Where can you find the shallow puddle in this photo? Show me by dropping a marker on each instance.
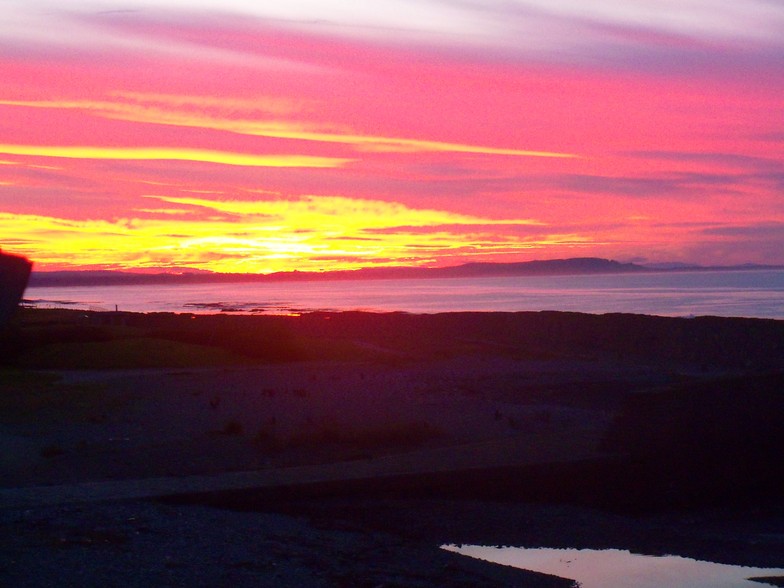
(615, 568)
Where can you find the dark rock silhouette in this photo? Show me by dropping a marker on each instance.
(14, 273)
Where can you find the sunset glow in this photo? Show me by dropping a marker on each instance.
(237, 137)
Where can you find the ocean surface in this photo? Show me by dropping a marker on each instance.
(758, 293)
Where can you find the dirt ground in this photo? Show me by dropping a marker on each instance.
(468, 413)
(97, 425)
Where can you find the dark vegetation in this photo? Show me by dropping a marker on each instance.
(406, 435)
(717, 440)
(30, 396)
(78, 339)
(693, 445)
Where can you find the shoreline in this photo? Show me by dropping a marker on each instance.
(686, 294)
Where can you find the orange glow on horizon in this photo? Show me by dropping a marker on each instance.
(177, 140)
(265, 236)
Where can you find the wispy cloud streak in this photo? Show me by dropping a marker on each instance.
(278, 129)
(171, 154)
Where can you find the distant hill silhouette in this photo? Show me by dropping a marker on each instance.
(580, 265)
(551, 267)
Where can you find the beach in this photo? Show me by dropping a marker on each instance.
(345, 448)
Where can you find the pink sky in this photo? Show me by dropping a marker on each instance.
(234, 137)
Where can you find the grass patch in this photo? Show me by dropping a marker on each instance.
(52, 451)
(394, 435)
(266, 437)
(13, 379)
(232, 428)
(127, 354)
(27, 397)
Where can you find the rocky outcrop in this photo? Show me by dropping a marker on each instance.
(14, 273)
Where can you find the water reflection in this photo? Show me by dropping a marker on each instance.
(721, 293)
(615, 568)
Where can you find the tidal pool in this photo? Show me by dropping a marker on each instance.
(616, 568)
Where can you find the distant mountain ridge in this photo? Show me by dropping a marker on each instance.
(551, 267)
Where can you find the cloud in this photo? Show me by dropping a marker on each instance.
(262, 235)
(737, 160)
(487, 128)
(641, 33)
(172, 154)
(336, 212)
(764, 230)
(773, 137)
(166, 110)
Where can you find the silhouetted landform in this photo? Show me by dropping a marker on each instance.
(14, 275)
(549, 267)
(553, 267)
(689, 267)
(769, 580)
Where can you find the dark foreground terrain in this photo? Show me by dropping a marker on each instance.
(651, 434)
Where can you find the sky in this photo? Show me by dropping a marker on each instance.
(316, 135)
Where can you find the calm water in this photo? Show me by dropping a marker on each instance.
(615, 568)
(737, 293)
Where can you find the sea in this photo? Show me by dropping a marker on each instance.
(738, 293)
